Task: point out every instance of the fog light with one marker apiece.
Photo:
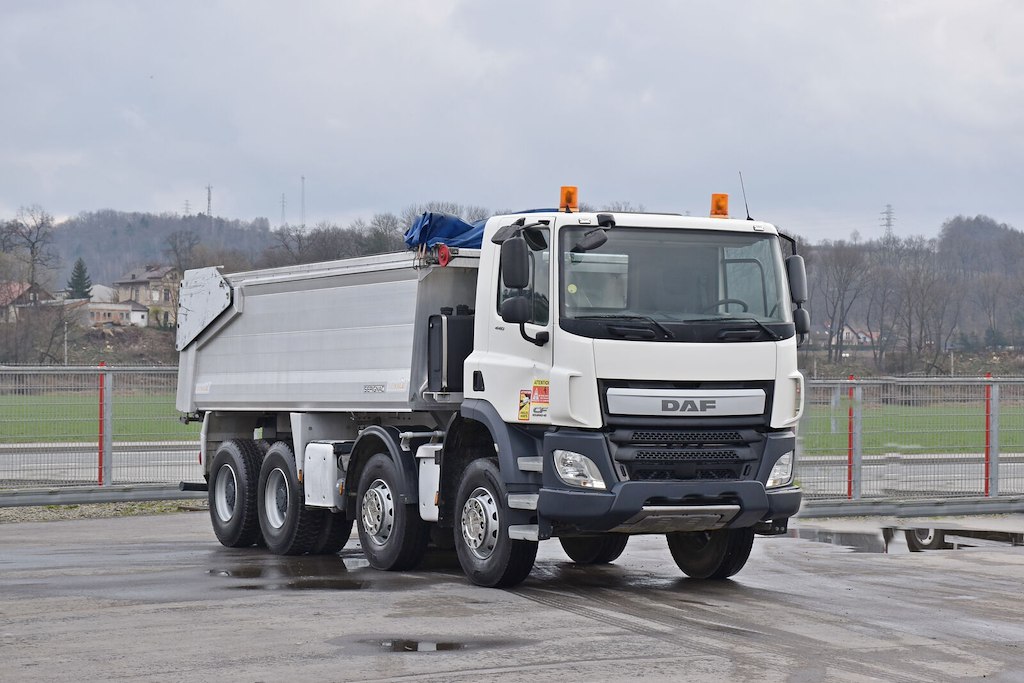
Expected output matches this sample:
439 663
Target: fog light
782 472
576 469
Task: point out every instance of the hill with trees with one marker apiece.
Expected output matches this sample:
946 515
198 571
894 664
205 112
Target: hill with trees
906 302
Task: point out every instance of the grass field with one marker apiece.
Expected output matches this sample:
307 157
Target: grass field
74 417
940 428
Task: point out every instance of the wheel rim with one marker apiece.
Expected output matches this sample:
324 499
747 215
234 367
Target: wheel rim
480 523
275 498
378 512
925 536
225 493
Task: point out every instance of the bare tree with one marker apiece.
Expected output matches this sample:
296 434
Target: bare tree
179 248
989 291
292 246
385 234
30 238
840 272
623 207
882 305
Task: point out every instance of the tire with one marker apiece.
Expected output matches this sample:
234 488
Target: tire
488 556
234 473
926 539
287 526
600 549
393 536
334 534
711 554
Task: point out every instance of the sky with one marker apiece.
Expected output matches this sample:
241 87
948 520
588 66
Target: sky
831 110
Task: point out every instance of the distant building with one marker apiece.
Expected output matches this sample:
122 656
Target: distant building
18 295
122 313
103 294
156 288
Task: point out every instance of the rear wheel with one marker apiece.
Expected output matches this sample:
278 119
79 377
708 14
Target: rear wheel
392 534
334 534
599 549
232 487
711 554
926 539
487 555
288 527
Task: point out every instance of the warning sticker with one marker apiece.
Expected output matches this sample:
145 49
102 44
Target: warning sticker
524 405
539 398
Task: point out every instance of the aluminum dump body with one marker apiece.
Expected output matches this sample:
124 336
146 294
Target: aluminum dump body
337 336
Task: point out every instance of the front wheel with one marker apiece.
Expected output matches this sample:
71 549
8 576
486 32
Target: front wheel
393 536
487 555
288 527
600 549
711 554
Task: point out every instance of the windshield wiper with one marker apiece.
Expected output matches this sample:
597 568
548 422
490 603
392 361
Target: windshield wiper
717 319
629 316
768 331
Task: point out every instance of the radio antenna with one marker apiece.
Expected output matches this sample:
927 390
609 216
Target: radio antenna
745 197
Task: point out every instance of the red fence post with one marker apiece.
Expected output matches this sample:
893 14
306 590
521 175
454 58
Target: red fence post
849 447
102 397
988 432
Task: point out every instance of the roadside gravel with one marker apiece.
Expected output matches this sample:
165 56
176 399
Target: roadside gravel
55 513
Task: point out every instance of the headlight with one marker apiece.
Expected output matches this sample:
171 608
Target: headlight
782 472
576 469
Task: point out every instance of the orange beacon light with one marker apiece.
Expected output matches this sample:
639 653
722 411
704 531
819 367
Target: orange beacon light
719 205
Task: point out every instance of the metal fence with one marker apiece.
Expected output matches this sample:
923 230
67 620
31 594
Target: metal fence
871 446
892 445
92 433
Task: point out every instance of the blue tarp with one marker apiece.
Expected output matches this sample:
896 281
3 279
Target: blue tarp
432 229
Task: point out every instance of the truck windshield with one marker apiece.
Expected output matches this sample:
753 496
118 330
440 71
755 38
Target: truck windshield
674 285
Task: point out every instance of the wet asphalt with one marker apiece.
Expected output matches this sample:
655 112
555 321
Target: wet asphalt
158 599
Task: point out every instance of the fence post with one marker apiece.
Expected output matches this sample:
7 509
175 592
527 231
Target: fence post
849 442
858 441
992 456
106 444
102 424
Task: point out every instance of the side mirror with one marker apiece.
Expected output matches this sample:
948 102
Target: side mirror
516 310
797 278
802 321
515 263
590 241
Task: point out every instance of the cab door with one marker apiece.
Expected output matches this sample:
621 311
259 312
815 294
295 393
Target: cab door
516 372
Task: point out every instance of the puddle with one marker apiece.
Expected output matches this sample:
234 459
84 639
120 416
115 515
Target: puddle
402 645
313 584
903 540
855 541
421 644
276 573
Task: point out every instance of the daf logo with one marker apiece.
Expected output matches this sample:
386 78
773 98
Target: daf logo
687 405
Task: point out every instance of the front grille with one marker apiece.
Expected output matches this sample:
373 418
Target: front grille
688 455
673 475
685 437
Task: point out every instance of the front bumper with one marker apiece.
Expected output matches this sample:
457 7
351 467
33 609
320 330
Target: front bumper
662 507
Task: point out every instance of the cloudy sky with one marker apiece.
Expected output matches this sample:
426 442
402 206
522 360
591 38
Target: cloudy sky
831 110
